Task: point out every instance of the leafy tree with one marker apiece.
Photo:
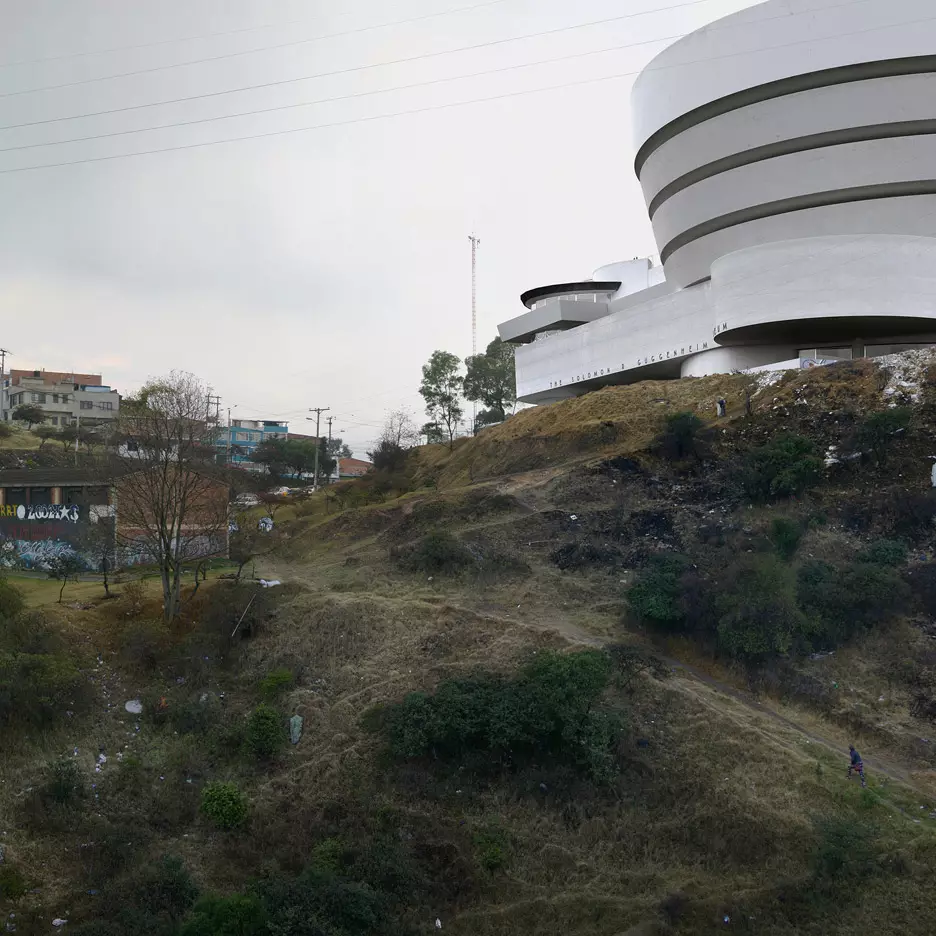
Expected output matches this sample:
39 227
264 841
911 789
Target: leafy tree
299 455
6 430
490 379
388 456
271 454
785 466
878 430
30 414
336 448
67 436
434 433
65 567
45 432
441 388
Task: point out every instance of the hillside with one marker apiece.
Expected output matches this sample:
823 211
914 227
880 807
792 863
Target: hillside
594 671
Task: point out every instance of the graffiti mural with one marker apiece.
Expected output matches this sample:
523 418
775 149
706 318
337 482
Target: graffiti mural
35 555
41 512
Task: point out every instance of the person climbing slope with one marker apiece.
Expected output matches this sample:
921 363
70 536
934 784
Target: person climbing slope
856 764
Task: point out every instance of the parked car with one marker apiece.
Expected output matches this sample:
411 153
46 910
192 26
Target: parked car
246 500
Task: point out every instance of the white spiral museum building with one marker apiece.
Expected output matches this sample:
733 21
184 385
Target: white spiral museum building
787 155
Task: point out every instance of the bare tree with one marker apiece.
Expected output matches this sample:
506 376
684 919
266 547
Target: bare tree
171 496
400 429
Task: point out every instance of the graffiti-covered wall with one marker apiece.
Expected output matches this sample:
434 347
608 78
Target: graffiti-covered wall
31 535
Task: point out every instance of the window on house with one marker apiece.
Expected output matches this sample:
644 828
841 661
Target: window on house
107 405
53 420
16 495
40 495
87 404
38 397
242 436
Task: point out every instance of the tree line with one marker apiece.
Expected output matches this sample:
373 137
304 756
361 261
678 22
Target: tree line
489 379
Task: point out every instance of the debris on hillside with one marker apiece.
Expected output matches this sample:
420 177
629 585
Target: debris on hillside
906 374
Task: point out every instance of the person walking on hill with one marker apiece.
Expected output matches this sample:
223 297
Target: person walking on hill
856 764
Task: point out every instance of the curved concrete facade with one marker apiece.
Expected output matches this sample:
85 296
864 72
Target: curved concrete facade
787 156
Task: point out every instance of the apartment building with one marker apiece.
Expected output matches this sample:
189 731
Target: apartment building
242 437
65 398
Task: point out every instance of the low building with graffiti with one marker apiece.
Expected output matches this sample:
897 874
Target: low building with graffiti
48 512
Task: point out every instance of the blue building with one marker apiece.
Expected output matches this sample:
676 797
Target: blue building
241 438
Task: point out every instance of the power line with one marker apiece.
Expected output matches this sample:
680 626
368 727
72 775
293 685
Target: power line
330 100
327 126
246 29
404 113
357 68
285 81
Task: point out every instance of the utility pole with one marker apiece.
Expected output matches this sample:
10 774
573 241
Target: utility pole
475 244
213 401
318 410
3 354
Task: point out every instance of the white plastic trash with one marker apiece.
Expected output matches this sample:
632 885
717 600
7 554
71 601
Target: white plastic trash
134 706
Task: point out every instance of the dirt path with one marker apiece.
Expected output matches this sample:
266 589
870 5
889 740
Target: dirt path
706 688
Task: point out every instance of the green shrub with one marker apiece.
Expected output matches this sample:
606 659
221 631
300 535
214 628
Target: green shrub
12 882
785 535
547 710
12 601
240 915
679 438
841 601
878 430
276 682
6 430
758 616
328 856
37 688
844 853
886 552
266 732
491 848
64 784
224 804
657 598
439 553
783 467
323 904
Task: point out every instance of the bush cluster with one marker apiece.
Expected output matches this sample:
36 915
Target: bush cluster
439 553
658 597
785 466
224 804
680 438
266 732
39 679
547 711
761 606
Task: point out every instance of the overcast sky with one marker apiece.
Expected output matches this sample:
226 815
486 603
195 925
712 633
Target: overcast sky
320 267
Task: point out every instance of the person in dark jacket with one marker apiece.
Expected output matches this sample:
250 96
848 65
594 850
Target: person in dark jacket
856 764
